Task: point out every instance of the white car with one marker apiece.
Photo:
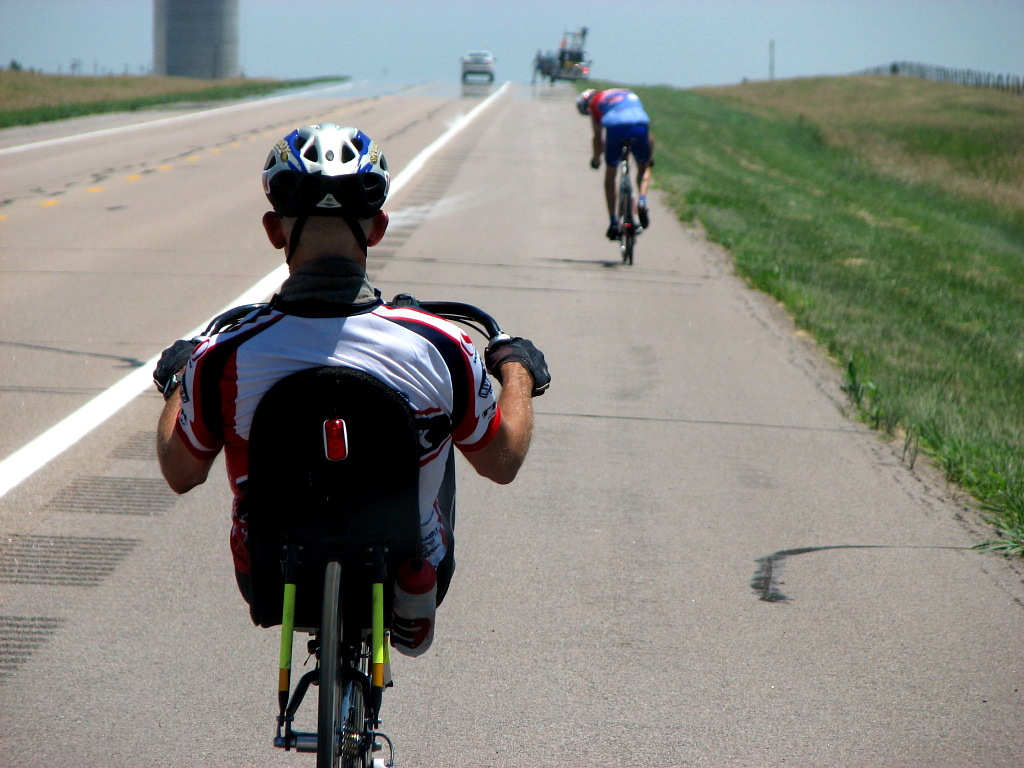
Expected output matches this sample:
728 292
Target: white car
478 64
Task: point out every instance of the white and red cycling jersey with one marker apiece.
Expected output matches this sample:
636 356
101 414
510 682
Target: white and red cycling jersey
426 358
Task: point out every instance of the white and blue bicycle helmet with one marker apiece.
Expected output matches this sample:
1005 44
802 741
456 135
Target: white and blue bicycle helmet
327 170
583 101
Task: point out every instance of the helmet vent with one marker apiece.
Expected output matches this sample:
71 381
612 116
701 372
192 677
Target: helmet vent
347 155
311 153
357 143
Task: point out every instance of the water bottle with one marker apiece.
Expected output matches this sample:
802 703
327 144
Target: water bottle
412 626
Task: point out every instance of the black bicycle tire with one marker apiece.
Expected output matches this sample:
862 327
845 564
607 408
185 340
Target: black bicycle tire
625 230
624 211
329 725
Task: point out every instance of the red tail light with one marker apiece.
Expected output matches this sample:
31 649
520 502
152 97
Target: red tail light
335 440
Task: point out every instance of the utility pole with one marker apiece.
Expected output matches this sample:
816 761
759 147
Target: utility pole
771 59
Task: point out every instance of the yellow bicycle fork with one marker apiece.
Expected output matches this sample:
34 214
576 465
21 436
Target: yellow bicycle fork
380 646
284 677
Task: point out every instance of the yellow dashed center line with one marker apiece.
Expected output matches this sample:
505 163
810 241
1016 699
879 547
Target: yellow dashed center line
137 176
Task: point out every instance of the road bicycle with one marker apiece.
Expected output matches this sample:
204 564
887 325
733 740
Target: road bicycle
333 509
625 207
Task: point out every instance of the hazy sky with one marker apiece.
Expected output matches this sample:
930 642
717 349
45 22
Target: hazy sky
679 42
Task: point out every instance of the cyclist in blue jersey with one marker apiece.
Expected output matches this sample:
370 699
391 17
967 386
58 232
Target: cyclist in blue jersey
618 116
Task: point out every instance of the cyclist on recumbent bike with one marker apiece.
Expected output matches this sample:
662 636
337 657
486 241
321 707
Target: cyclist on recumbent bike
327 185
618 116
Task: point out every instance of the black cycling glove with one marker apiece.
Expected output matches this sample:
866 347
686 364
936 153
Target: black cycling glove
595 163
519 350
172 360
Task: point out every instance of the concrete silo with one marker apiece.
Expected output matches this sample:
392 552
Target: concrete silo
196 38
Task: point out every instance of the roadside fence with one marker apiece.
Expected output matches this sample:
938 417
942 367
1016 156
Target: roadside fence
967 77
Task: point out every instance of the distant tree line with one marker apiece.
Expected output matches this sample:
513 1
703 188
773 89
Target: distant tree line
968 77
75 68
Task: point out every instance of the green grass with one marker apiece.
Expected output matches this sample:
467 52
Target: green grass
27 98
891 228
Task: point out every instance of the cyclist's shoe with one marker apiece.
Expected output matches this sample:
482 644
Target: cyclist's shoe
412 637
613 231
412 616
642 213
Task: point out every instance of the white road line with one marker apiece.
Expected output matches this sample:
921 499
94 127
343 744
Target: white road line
40 451
168 120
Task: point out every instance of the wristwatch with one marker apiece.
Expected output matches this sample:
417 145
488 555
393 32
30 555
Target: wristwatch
172 386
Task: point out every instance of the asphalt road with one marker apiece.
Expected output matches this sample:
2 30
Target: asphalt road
704 562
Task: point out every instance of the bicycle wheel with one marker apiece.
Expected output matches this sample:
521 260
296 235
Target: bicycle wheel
341 717
354 743
628 241
329 725
627 231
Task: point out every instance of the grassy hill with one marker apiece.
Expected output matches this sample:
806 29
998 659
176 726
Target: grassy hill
887 215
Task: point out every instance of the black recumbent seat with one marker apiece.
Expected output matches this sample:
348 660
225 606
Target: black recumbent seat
333 472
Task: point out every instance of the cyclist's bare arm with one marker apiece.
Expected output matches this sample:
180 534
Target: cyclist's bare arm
597 142
180 468
502 457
